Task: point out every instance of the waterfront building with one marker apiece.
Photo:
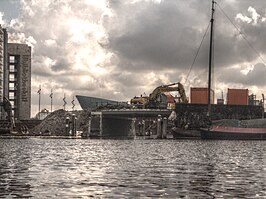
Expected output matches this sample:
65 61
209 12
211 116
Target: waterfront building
15 76
18 73
3 65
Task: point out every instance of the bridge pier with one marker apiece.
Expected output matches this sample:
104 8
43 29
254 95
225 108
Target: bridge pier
159 127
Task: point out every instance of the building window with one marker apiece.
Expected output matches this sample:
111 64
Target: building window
12 87
11 77
12 59
12 68
11 96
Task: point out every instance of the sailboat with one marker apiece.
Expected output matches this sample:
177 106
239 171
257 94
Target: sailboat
234 130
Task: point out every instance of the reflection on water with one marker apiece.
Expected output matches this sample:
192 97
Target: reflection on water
44 168
14 165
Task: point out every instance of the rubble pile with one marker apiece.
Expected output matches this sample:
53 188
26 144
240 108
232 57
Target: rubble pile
55 123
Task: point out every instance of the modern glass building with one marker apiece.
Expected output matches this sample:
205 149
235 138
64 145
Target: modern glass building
91 103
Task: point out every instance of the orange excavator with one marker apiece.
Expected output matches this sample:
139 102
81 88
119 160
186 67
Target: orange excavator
157 99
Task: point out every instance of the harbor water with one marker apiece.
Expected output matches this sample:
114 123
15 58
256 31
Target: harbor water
77 168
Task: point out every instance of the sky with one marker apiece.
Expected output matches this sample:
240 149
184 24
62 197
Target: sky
118 49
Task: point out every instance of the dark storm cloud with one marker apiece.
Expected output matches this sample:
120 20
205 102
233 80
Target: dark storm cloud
166 35
230 45
255 77
157 34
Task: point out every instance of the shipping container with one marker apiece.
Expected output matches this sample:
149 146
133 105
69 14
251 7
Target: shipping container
200 96
237 96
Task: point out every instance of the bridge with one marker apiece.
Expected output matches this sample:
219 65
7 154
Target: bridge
126 122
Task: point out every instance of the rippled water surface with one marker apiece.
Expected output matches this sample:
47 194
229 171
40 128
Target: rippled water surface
64 168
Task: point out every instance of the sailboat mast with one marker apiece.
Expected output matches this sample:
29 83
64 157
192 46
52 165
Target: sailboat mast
210 58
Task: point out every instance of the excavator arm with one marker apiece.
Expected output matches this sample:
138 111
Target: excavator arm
164 88
182 93
154 99
167 88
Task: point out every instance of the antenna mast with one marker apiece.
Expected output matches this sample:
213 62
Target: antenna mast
39 93
51 96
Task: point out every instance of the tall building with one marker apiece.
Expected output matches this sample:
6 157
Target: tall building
1 61
18 79
3 65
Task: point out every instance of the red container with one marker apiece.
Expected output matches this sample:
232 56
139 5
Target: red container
237 96
200 96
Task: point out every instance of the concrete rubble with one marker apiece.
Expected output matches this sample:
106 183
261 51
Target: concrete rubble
55 123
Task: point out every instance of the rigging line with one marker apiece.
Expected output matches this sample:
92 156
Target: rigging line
243 35
197 52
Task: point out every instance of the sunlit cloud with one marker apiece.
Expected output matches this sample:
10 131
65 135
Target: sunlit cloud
118 49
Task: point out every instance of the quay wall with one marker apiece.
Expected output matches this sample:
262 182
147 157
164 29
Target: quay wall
194 116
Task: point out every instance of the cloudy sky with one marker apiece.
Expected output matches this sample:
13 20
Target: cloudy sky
118 49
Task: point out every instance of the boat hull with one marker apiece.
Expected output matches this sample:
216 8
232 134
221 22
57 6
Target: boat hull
234 133
179 133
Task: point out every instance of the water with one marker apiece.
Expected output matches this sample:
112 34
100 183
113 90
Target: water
62 168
